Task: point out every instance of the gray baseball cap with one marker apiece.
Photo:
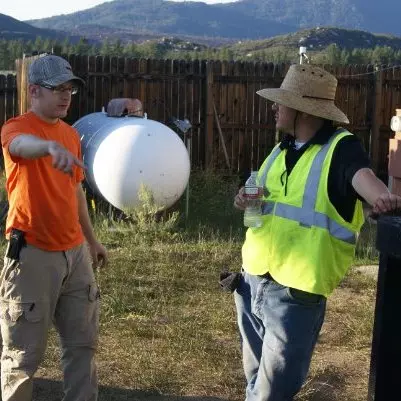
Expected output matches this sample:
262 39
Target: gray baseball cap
51 70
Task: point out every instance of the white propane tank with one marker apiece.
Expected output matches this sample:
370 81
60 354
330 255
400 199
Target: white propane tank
121 153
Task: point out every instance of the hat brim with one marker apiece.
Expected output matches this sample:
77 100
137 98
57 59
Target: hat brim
62 79
315 107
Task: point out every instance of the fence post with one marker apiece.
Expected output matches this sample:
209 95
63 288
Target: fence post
376 119
209 117
385 365
22 66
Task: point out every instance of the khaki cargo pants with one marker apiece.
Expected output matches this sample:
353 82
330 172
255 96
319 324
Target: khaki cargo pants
41 289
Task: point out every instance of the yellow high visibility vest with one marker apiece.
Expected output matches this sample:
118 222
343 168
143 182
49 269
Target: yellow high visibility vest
303 242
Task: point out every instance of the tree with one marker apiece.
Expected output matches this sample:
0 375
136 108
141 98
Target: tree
382 55
345 56
16 50
4 55
106 48
333 53
226 54
82 47
359 56
131 50
66 47
38 44
117 48
152 50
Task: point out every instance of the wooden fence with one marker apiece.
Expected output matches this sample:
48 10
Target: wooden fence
8 97
219 98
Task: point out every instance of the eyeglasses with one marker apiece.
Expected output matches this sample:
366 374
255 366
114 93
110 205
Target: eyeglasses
57 90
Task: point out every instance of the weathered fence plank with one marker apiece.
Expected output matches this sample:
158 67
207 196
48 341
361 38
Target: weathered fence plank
191 89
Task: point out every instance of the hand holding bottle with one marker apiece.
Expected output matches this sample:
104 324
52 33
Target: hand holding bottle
240 201
249 199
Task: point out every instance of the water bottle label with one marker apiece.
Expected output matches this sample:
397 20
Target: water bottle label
253 192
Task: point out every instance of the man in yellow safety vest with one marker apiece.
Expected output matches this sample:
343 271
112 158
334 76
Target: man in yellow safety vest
314 183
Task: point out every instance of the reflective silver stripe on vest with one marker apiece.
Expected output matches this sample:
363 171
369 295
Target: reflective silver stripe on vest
269 163
316 219
307 215
312 184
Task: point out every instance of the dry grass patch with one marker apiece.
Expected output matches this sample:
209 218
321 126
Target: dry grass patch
169 333
340 367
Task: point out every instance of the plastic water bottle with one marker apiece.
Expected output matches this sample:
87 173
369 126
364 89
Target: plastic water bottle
253 194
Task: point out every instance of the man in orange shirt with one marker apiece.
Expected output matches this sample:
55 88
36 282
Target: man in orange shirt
48 273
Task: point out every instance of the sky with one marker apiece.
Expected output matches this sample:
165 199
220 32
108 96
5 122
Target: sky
33 9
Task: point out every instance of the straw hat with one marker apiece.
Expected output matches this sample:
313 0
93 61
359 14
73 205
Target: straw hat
309 89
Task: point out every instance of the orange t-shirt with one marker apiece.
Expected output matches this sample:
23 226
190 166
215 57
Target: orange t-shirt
42 200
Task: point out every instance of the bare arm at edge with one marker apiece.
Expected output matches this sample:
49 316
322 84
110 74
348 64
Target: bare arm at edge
367 185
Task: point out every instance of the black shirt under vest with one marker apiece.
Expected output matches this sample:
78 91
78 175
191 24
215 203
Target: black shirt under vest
348 157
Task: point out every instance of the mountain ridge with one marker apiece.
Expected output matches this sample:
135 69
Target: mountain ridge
245 19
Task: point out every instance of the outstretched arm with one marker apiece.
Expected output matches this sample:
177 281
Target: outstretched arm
28 146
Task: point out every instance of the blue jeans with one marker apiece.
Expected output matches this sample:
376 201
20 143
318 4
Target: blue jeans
279 327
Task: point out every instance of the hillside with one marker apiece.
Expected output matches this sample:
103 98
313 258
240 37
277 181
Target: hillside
319 38
324 46
168 18
372 16
11 28
245 19
99 33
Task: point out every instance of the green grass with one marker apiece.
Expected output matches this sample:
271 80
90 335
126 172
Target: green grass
163 311
168 330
